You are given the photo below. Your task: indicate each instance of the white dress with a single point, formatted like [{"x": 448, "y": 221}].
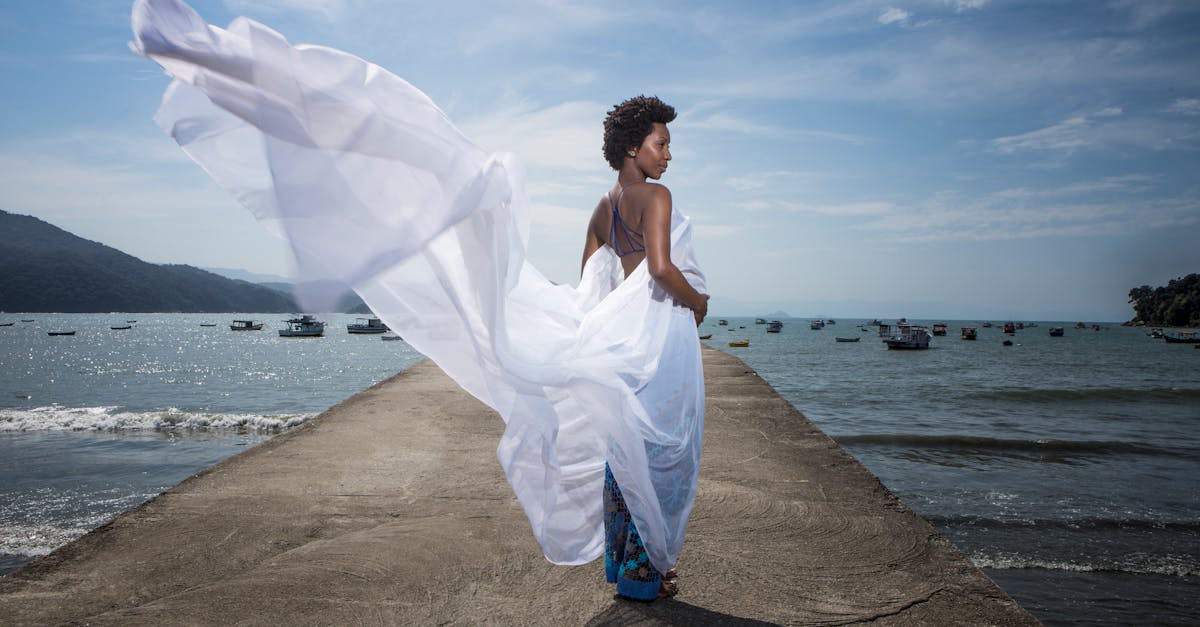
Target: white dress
[{"x": 377, "y": 191}]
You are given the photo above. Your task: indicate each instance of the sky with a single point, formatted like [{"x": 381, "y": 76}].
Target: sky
[{"x": 946, "y": 159}]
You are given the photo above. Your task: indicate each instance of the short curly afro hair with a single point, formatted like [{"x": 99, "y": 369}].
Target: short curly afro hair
[{"x": 628, "y": 124}]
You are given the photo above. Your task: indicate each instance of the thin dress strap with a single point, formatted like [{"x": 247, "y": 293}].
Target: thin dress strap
[{"x": 634, "y": 242}]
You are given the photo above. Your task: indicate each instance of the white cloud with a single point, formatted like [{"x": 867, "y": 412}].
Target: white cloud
[
  {"x": 893, "y": 15},
  {"x": 562, "y": 136},
  {"x": 328, "y": 10},
  {"x": 968, "y": 5},
  {"x": 1186, "y": 106}
]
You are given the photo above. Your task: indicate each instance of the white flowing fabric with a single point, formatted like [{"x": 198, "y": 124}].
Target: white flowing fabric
[{"x": 375, "y": 189}]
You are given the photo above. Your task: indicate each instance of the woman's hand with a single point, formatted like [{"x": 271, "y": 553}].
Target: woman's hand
[{"x": 702, "y": 310}]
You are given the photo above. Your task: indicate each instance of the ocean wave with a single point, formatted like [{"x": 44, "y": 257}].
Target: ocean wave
[
  {"x": 1098, "y": 524},
  {"x": 55, "y": 418},
  {"x": 1042, "y": 446},
  {"x": 1169, "y": 565},
  {"x": 1132, "y": 395},
  {"x": 35, "y": 541}
]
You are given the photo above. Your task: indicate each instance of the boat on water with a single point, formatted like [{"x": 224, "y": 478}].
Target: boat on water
[
  {"x": 390, "y": 338},
  {"x": 706, "y": 337},
  {"x": 723, "y": 322},
  {"x": 367, "y": 325},
  {"x": 816, "y": 325},
  {"x": 759, "y": 321},
  {"x": 908, "y": 337},
  {"x": 986, "y": 325},
  {"x": 831, "y": 321},
  {"x": 304, "y": 326},
  {"x": 1010, "y": 328},
  {"x": 885, "y": 329},
  {"x": 775, "y": 326},
  {"x": 60, "y": 333},
  {"x": 967, "y": 333},
  {"x": 847, "y": 339},
  {"x": 1182, "y": 337},
  {"x": 6, "y": 324},
  {"x": 208, "y": 324},
  {"x": 245, "y": 325},
  {"x": 939, "y": 328},
  {"x": 1156, "y": 334},
  {"x": 1080, "y": 325},
  {"x": 739, "y": 344},
  {"x": 26, "y": 319},
  {"x": 1057, "y": 331},
  {"x": 121, "y": 327}
]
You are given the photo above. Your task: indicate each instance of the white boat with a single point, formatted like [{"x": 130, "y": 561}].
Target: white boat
[
  {"x": 304, "y": 326},
  {"x": 245, "y": 325},
  {"x": 367, "y": 325},
  {"x": 908, "y": 337},
  {"x": 775, "y": 326}
]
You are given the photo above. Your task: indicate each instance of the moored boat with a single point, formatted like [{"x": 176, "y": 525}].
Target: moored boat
[
  {"x": 739, "y": 344},
  {"x": 706, "y": 337},
  {"x": 367, "y": 325},
  {"x": 121, "y": 327},
  {"x": 60, "y": 333},
  {"x": 759, "y": 321},
  {"x": 304, "y": 326},
  {"x": 1010, "y": 328},
  {"x": 908, "y": 337},
  {"x": 245, "y": 325},
  {"x": 775, "y": 326},
  {"x": 847, "y": 339},
  {"x": 723, "y": 322},
  {"x": 390, "y": 338},
  {"x": 939, "y": 328},
  {"x": 816, "y": 325},
  {"x": 967, "y": 333},
  {"x": 1057, "y": 331},
  {"x": 1182, "y": 337}
]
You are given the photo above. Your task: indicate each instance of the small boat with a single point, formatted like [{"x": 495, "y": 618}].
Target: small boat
[
  {"x": 831, "y": 321},
  {"x": 739, "y": 344},
  {"x": 1080, "y": 325},
  {"x": 885, "y": 330},
  {"x": 908, "y": 337},
  {"x": 6, "y": 324},
  {"x": 1010, "y": 328},
  {"x": 1182, "y": 337},
  {"x": 1057, "y": 331},
  {"x": 245, "y": 325},
  {"x": 367, "y": 325},
  {"x": 208, "y": 324},
  {"x": 723, "y": 322},
  {"x": 1007, "y": 342},
  {"x": 986, "y": 325},
  {"x": 875, "y": 322},
  {"x": 939, "y": 328},
  {"x": 816, "y": 325},
  {"x": 1156, "y": 334},
  {"x": 60, "y": 333},
  {"x": 759, "y": 321},
  {"x": 847, "y": 339},
  {"x": 968, "y": 333},
  {"x": 775, "y": 326},
  {"x": 706, "y": 337},
  {"x": 121, "y": 327},
  {"x": 131, "y": 321},
  {"x": 304, "y": 326},
  {"x": 390, "y": 338},
  {"x": 26, "y": 319}
]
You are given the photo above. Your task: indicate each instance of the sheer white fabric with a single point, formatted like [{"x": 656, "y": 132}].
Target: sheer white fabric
[{"x": 375, "y": 189}]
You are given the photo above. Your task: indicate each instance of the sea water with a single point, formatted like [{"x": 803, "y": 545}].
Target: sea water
[{"x": 1064, "y": 467}]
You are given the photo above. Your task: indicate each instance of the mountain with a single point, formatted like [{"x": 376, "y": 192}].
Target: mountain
[{"x": 44, "y": 268}]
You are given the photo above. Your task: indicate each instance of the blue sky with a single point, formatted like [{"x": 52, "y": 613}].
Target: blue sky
[{"x": 931, "y": 158}]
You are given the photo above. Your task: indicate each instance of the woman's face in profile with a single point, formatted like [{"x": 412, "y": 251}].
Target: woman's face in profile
[{"x": 655, "y": 152}]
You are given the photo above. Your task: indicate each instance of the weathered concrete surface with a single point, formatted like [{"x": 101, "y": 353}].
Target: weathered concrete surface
[{"x": 391, "y": 508}]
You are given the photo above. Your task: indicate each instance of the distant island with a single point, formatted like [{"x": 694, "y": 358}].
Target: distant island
[
  {"x": 1176, "y": 305},
  {"x": 46, "y": 269}
]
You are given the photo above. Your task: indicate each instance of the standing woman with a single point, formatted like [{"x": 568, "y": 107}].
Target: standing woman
[
  {"x": 634, "y": 222},
  {"x": 375, "y": 189}
]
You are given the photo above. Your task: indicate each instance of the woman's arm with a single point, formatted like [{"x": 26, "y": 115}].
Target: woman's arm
[
  {"x": 656, "y": 231},
  {"x": 592, "y": 243}
]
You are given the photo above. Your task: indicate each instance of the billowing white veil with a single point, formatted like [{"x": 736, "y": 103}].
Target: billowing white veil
[{"x": 375, "y": 189}]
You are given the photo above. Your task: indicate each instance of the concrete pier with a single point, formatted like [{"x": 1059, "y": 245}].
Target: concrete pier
[{"x": 390, "y": 508}]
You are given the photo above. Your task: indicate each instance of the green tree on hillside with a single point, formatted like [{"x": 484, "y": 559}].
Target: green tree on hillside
[{"x": 1176, "y": 305}]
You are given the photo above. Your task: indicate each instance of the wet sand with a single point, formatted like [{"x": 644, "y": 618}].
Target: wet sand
[{"x": 390, "y": 508}]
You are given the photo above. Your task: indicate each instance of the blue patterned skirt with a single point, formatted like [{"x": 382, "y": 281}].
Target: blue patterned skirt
[{"x": 626, "y": 562}]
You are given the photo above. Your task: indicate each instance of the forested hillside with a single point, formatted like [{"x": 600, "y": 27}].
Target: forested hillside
[
  {"x": 1175, "y": 305},
  {"x": 44, "y": 268}
]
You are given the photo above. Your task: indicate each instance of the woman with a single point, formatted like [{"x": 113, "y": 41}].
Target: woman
[
  {"x": 376, "y": 190},
  {"x": 634, "y": 221}
]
